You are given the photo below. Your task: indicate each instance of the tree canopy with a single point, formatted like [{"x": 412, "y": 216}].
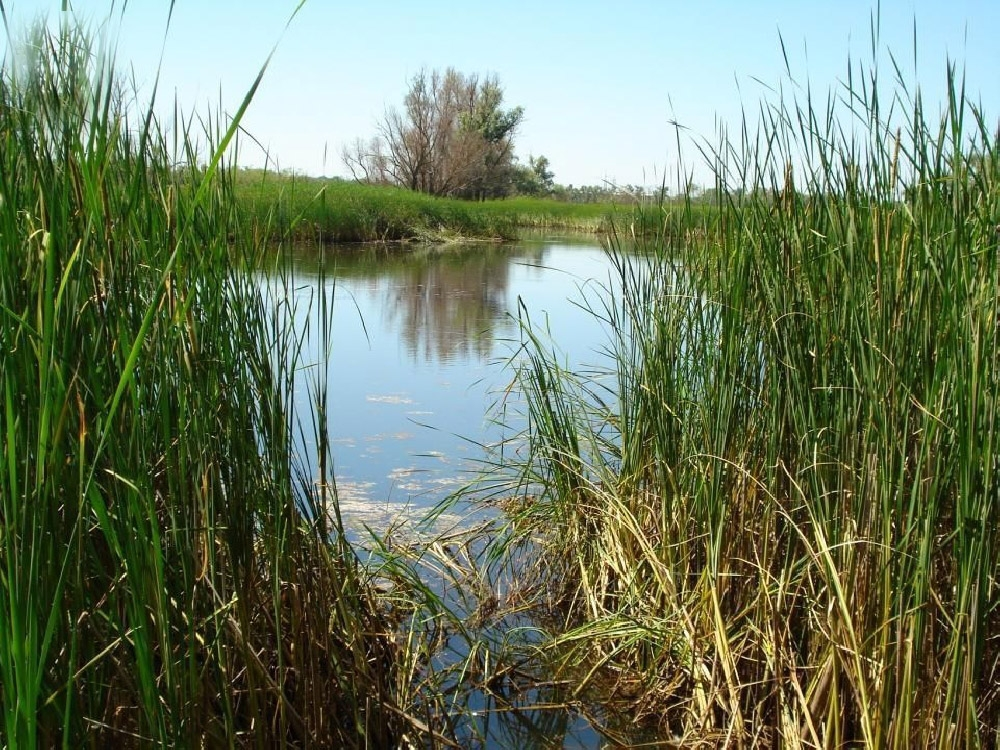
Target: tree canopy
[
  {"x": 452, "y": 137},
  {"x": 534, "y": 178}
]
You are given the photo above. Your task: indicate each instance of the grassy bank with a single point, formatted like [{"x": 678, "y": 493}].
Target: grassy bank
[
  {"x": 171, "y": 573},
  {"x": 316, "y": 209},
  {"x": 774, "y": 520}
]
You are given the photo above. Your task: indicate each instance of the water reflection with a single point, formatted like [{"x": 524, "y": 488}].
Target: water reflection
[
  {"x": 418, "y": 342},
  {"x": 448, "y": 308},
  {"x": 418, "y": 339},
  {"x": 446, "y": 303}
]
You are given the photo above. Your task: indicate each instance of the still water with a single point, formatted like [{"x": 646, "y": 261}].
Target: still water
[{"x": 419, "y": 341}]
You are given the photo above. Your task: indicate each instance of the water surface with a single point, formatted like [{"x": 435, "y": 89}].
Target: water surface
[{"x": 419, "y": 341}]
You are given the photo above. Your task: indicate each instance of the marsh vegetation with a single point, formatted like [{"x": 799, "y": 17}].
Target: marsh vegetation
[
  {"x": 290, "y": 207},
  {"x": 766, "y": 515},
  {"x": 778, "y": 524},
  {"x": 170, "y": 575}
]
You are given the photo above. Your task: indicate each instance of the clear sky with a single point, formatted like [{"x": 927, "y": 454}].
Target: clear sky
[{"x": 600, "y": 82}]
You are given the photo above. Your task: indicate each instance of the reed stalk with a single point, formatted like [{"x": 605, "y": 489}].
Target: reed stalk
[
  {"x": 779, "y": 525},
  {"x": 171, "y": 572}
]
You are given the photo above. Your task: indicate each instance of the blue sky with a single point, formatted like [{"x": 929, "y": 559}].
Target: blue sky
[{"x": 600, "y": 81}]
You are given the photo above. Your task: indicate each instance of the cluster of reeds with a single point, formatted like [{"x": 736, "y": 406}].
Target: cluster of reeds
[
  {"x": 775, "y": 519},
  {"x": 170, "y": 573}
]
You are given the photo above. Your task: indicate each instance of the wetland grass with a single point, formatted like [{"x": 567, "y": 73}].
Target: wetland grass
[
  {"x": 171, "y": 575},
  {"x": 320, "y": 210},
  {"x": 775, "y": 521}
]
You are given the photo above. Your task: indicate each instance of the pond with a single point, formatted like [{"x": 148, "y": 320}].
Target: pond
[{"x": 419, "y": 342}]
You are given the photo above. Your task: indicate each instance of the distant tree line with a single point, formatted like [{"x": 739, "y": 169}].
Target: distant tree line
[{"x": 607, "y": 193}]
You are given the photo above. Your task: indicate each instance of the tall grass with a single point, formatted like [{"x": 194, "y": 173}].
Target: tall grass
[
  {"x": 170, "y": 574},
  {"x": 316, "y": 209},
  {"x": 778, "y": 523}
]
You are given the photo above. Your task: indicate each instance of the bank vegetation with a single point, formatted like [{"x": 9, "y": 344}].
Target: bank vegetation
[{"x": 771, "y": 518}]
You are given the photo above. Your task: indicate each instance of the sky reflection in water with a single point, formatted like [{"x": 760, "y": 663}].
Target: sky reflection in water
[{"x": 419, "y": 343}]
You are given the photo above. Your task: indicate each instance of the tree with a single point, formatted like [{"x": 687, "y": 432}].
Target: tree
[
  {"x": 452, "y": 137},
  {"x": 534, "y": 178},
  {"x": 545, "y": 176}
]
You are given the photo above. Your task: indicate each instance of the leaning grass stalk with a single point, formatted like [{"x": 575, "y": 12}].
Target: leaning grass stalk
[
  {"x": 797, "y": 460},
  {"x": 162, "y": 579}
]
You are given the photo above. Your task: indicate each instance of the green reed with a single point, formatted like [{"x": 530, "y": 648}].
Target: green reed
[
  {"x": 778, "y": 524},
  {"x": 170, "y": 571}
]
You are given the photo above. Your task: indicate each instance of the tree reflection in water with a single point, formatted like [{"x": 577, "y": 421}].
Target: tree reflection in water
[
  {"x": 447, "y": 303},
  {"x": 451, "y": 309},
  {"x": 417, "y": 341}
]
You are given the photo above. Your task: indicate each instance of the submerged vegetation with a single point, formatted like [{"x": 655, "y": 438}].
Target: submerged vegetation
[{"x": 774, "y": 520}]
